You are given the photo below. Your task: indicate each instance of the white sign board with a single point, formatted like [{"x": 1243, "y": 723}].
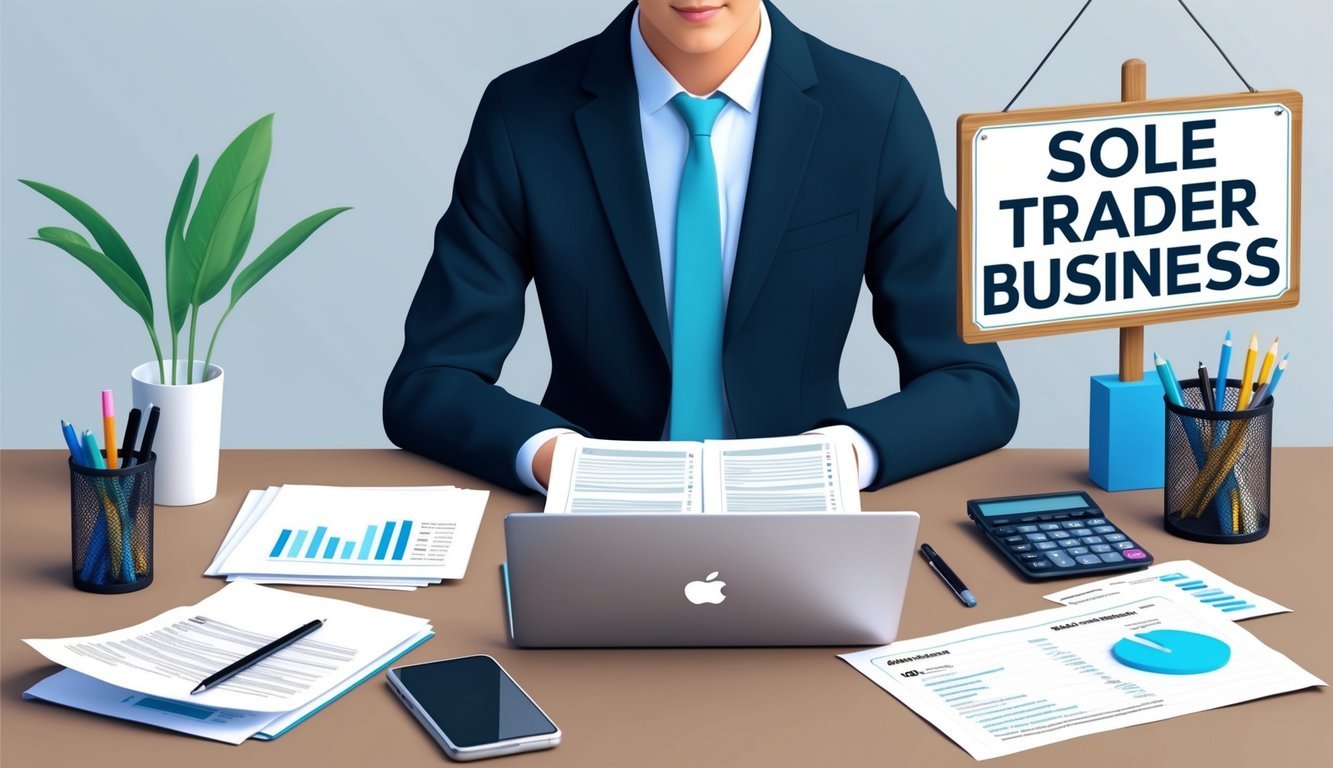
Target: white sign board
[{"x": 1073, "y": 221}]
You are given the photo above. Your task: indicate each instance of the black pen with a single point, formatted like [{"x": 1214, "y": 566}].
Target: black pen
[
  {"x": 1205, "y": 391},
  {"x": 245, "y": 662},
  {"x": 946, "y": 573},
  {"x": 149, "y": 433},
  {"x": 131, "y": 435}
]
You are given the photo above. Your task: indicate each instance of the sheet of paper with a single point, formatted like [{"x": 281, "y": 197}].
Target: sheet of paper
[
  {"x": 305, "y": 581},
  {"x": 1010, "y": 685},
  {"x": 79, "y": 691},
  {"x": 357, "y": 534},
  {"x": 1232, "y": 601},
  {"x": 256, "y": 503},
  {"x": 167, "y": 656},
  {"x": 798, "y": 474},
  {"x": 245, "y": 517},
  {"x": 620, "y": 476}
]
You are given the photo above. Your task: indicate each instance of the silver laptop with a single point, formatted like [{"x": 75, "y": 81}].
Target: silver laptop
[{"x": 639, "y": 579}]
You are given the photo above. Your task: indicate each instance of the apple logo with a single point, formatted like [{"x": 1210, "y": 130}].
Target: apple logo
[{"x": 707, "y": 591}]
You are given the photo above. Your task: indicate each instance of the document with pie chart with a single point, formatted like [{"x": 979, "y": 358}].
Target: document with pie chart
[{"x": 1010, "y": 685}]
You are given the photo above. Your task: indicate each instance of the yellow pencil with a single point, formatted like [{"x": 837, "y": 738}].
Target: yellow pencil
[
  {"x": 1235, "y": 510},
  {"x": 1246, "y": 377},
  {"x": 1266, "y": 369}
]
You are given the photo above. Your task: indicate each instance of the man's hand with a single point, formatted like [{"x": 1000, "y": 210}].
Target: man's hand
[{"x": 541, "y": 462}]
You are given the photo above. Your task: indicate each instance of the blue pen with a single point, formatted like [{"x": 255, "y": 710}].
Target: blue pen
[
  {"x": 1174, "y": 394},
  {"x": 1168, "y": 378},
  {"x": 93, "y": 570},
  {"x": 1221, "y": 399},
  {"x": 72, "y": 440},
  {"x": 1172, "y": 387}
]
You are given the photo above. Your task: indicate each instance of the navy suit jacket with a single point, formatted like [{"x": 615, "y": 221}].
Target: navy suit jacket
[{"x": 552, "y": 187}]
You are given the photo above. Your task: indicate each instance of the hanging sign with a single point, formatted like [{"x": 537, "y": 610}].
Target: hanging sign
[{"x": 1121, "y": 214}]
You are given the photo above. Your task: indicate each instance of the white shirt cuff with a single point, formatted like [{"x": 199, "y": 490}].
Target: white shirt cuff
[
  {"x": 523, "y": 463},
  {"x": 867, "y": 463}
]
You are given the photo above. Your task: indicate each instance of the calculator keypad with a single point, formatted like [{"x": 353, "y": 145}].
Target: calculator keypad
[{"x": 1066, "y": 541}]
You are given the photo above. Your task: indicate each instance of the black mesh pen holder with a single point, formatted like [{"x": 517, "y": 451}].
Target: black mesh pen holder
[
  {"x": 111, "y": 527},
  {"x": 1218, "y": 467}
]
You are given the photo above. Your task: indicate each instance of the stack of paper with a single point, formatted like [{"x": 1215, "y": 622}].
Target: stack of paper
[
  {"x": 1005, "y": 686},
  {"x": 384, "y": 538},
  {"x": 145, "y": 673}
]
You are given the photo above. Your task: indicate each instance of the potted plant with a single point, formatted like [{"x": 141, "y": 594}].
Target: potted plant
[{"x": 204, "y": 248}]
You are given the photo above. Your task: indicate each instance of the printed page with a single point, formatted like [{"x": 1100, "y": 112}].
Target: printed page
[
  {"x": 625, "y": 476},
  {"x": 168, "y": 656},
  {"x": 1010, "y": 685},
  {"x": 1231, "y": 601},
  {"x": 799, "y": 474},
  {"x": 79, "y": 691},
  {"x": 355, "y": 534},
  {"x": 257, "y": 502}
]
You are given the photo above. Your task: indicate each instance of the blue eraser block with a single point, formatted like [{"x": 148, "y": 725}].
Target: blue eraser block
[{"x": 1127, "y": 433}]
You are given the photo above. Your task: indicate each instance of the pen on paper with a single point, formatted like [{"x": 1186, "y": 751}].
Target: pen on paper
[{"x": 249, "y": 660}]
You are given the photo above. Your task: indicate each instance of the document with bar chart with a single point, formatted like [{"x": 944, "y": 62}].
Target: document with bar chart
[
  {"x": 1232, "y": 601},
  {"x": 362, "y": 537},
  {"x": 1010, "y": 685}
]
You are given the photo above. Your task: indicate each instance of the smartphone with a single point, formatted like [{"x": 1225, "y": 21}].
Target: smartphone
[{"x": 473, "y": 708}]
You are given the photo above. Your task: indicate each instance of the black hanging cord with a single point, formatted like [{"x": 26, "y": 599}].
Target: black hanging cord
[
  {"x": 1225, "y": 58},
  {"x": 1047, "y": 56},
  {"x": 1079, "y": 15}
]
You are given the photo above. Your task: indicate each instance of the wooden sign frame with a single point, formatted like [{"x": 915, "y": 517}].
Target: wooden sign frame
[{"x": 970, "y": 124}]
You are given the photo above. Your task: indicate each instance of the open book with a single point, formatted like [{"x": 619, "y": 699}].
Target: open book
[{"x": 803, "y": 473}]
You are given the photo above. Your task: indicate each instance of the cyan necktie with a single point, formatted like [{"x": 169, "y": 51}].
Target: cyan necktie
[{"x": 696, "y": 332}]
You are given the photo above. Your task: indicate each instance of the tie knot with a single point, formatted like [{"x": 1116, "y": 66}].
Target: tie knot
[{"x": 699, "y": 114}]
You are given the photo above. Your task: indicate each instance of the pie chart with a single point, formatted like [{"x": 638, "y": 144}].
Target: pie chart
[{"x": 1172, "y": 652}]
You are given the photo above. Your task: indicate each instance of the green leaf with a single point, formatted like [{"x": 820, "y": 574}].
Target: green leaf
[
  {"x": 281, "y": 248},
  {"x": 112, "y": 244},
  {"x": 246, "y": 229},
  {"x": 125, "y": 288},
  {"x": 180, "y": 278},
  {"x": 224, "y": 216}
]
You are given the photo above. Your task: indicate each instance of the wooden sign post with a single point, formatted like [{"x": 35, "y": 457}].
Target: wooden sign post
[
  {"x": 1120, "y": 214},
  {"x": 1133, "y": 87}
]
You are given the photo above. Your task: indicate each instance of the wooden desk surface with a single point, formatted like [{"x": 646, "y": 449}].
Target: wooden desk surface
[{"x": 727, "y": 707}]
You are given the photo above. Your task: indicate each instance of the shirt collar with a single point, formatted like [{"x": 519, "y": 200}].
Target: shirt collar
[{"x": 657, "y": 86}]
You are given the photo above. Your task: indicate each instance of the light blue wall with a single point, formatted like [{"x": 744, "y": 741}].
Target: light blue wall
[{"x": 373, "y": 101}]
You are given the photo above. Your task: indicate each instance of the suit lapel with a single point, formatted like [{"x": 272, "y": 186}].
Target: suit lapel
[
  {"x": 612, "y": 139},
  {"x": 788, "y": 122}
]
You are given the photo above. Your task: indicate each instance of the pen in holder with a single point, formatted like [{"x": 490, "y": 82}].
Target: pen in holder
[
  {"x": 111, "y": 526},
  {"x": 1218, "y": 467}
]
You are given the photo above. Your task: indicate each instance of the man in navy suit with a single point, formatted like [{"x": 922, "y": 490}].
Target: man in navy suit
[{"x": 698, "y": 193}]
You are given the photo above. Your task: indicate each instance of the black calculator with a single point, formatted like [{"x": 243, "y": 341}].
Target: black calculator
[{"x": 1055, "y": 535}]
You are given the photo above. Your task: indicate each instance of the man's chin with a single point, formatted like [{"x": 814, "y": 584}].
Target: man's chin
[{"x": 697, "y": 41}]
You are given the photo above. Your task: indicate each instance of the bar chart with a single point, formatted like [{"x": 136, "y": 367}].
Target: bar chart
[
  {"x": 387, "y": 541},
  {"x": 1220, "y": 599},
  {"x": 390, "y": 538}
]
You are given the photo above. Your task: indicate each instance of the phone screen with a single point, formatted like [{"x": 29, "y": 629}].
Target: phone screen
[{"x": 473, "y": 701}]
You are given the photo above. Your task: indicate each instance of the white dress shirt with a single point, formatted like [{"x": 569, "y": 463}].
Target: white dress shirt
[{"x": 665, "y": 144}]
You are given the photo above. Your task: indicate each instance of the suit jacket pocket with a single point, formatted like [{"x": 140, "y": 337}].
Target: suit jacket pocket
[{"x": 800, "y": 238}]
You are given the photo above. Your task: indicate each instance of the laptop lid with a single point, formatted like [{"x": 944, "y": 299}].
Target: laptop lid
[{"x": 640, "y": 579}]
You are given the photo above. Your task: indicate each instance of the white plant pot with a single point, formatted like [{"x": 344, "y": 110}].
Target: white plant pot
[{"x": 189, "y": 431}]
